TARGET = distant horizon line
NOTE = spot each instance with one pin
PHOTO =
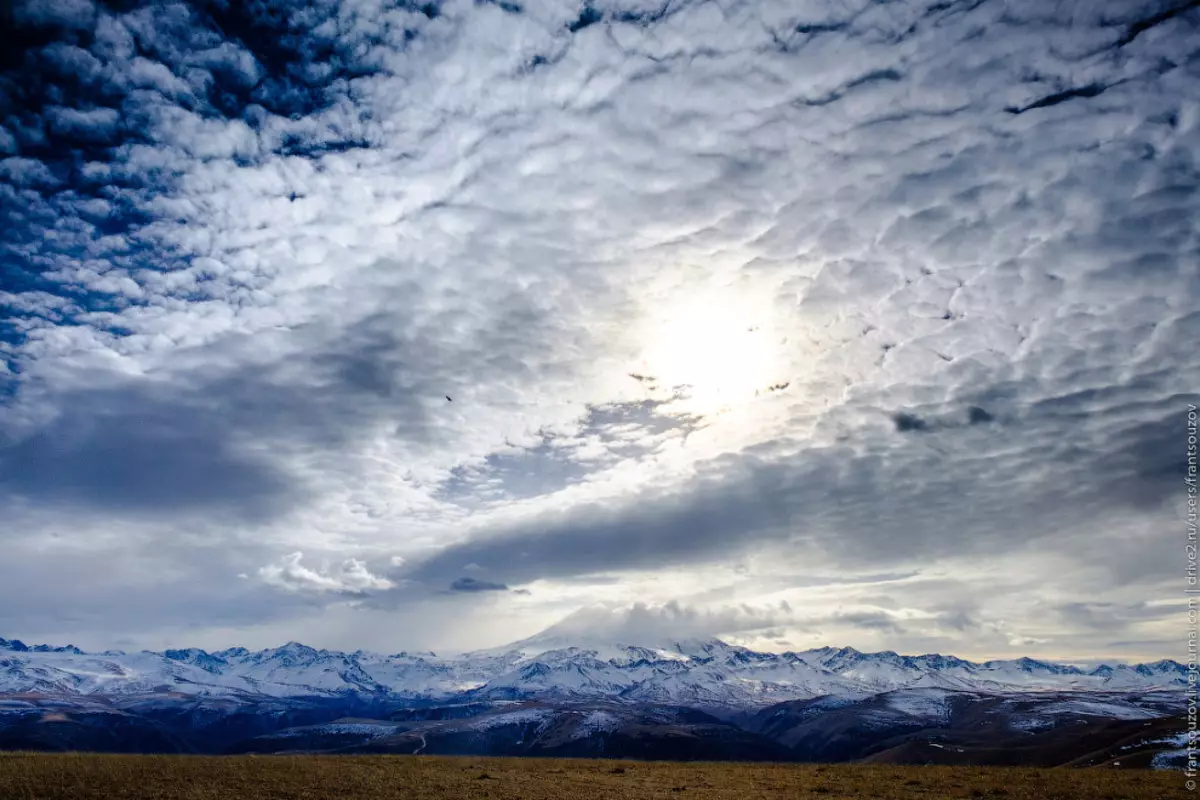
(516, 645)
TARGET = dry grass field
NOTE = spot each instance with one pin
(104, 777)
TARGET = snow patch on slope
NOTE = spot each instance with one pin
(522, 716)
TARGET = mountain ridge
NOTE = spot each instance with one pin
(683, 700)
(684, 646)
(694, 672)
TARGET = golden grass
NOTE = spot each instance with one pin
(28, 776)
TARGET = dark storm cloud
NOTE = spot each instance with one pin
(666, 532)
(124, 451)
(140, 446)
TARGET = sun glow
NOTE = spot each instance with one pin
(713, 353)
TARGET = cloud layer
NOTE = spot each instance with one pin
(738, 305)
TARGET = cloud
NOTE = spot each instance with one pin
(811, 498)
(123, 450)
(248, 255)
(469, 584)
(79, 14)
(909, 422)
(1025, 641)
(642, 623)
(350, 577)
(872, 620)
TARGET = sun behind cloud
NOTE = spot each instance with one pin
(713, 351)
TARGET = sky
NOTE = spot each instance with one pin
(401, 325)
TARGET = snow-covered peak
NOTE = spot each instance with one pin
(1033, 666)
(701, 648)
(17, 646)
(197, 657)
(232, 652)
(294, 650)
(705, 672)
(937, 661)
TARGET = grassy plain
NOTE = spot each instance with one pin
(28, 776)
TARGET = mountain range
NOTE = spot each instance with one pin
(707, 673)
(551, 695)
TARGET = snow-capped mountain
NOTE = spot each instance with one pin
(551, 695)
(702, 674)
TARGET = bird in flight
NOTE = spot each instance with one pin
(449, 399)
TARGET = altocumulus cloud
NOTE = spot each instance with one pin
(249, 251)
